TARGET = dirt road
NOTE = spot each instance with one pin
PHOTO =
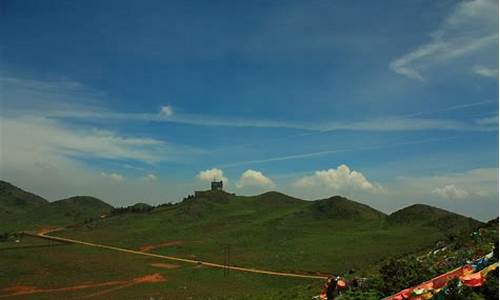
(177, 259)
(21, 290)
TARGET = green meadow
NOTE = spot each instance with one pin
(271, 231)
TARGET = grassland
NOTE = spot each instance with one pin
(22, 210)
(271, 231)
(48, 265)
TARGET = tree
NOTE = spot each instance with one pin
(398, 274)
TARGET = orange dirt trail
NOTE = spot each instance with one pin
(148, 248)
(47, 230)
(177, 259)
(165, 266)
(26, 290)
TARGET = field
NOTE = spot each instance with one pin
(58, 271)
(270, 232)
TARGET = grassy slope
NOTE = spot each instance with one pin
(69, 211)
(16, 200)
(21, 210)
(271, 231)
(432, 216)
(37, 263)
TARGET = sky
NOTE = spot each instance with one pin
(389, 103)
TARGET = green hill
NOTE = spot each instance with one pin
(15, 200)
(21, 210)
(70, 211)
(271, 230)
(338, 207)
(433, 217)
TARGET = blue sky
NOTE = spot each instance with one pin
(390, 103)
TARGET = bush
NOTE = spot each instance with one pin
(398, 274)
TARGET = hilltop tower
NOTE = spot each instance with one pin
(216, 185)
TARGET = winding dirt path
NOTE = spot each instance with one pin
(20, 290)
(148, 248)
(177, 259)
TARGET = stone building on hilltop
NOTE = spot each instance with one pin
(217, 185)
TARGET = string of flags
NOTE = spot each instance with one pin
(472, 274)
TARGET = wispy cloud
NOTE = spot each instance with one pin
(450, 191)
(54, 100)
(44, 95)
(151, 177)
(485, 71)
(332, 151)
(389, 123)
(43, 136)
(470, 27)
(166, 111)
(488, 121)
(474, 185)
(113, 176)
(452, 108)
(56, 161)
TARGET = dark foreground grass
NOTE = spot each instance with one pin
(56, 267)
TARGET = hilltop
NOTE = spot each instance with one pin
(21, 210)
(434, 217)
(342, 208)
(14, 199)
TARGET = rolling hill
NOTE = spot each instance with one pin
(21, 210)
(433, 217)
(15, 200)
(273, 230)
(338, 207)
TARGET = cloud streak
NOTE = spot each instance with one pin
(486, 72)
(41, 136)
(333, 151)
(51, 99)
(113, 176)
(470, 27)
(389, 123)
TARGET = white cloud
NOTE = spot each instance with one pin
(342, 179)
(450, 191)
(470, 27)
(491, 120)
(478, 186)
(113, 176)
(47, 95)
(485, 71)
(334, 151)
(28, 138)
(166, 111)
(151, 177)
(389, 123)
(252, 178)
(49, 100)
(212, 174)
